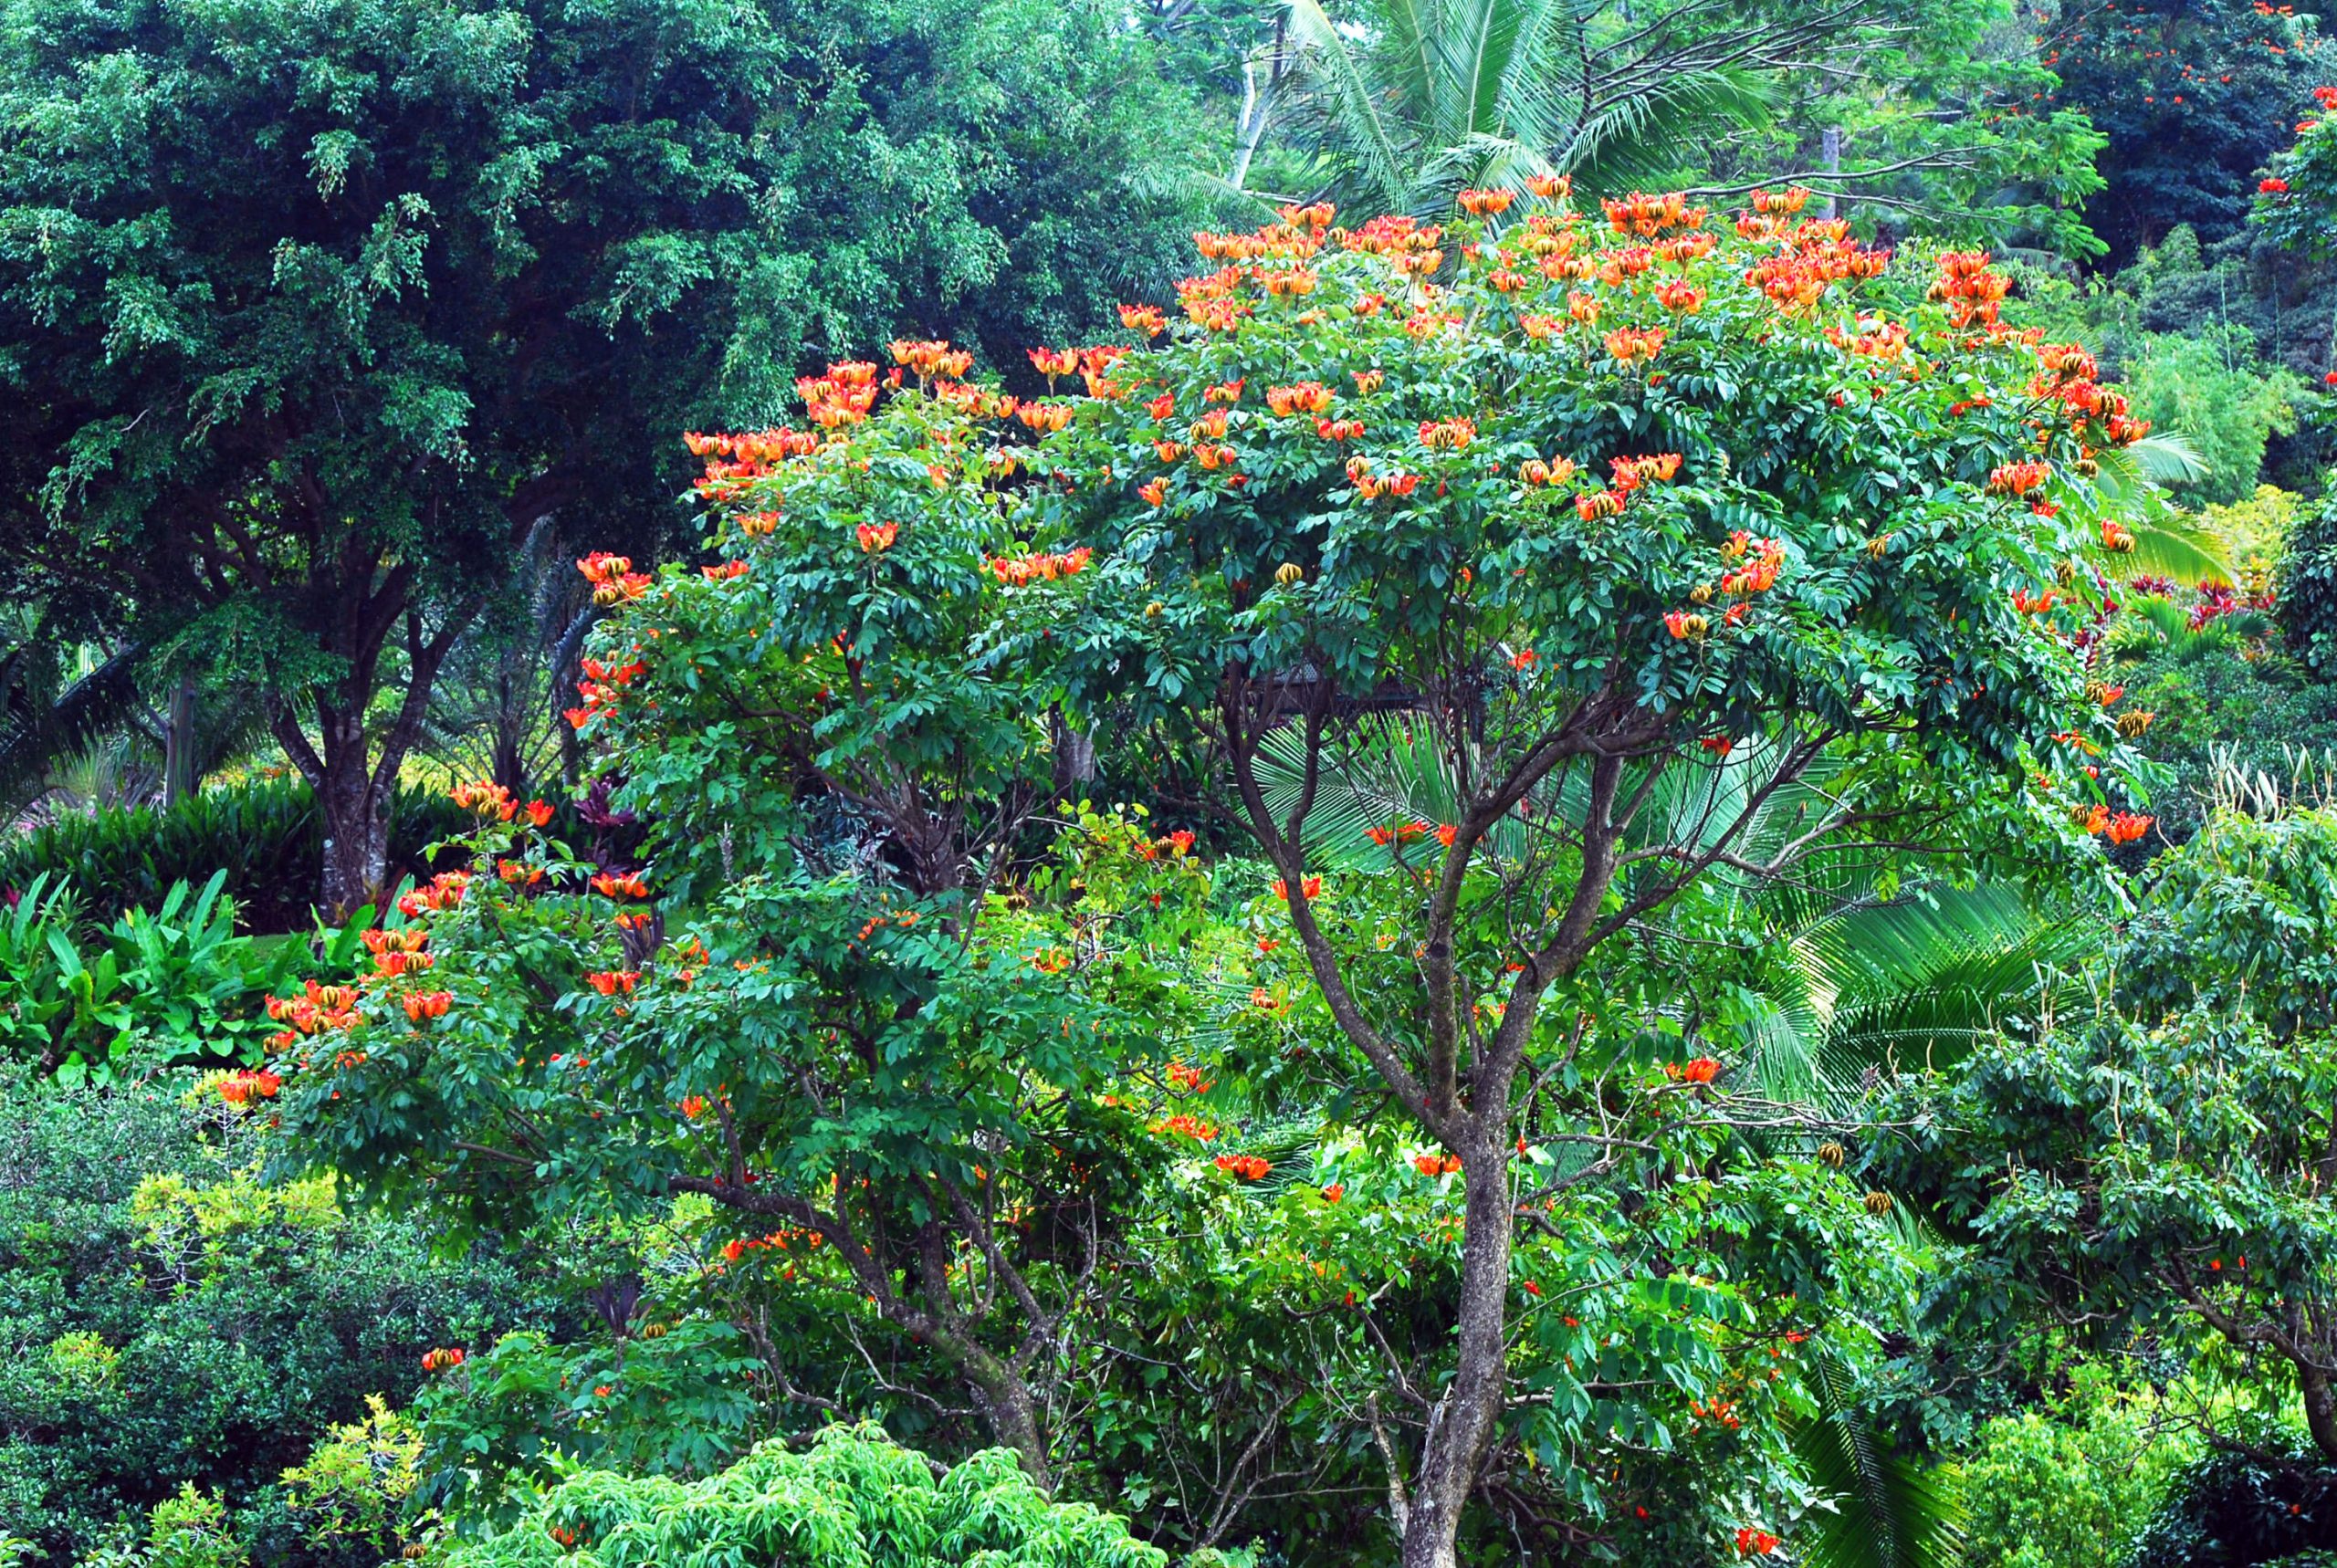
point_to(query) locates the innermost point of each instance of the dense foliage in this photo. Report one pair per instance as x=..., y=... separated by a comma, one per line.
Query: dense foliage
x=1565, y=876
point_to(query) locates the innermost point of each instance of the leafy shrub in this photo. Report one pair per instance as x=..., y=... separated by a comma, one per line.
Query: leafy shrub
x=2067, y=1486
x=169, y=1320
x=175, y=984
x=2309, y=588
x=855, y=1497
x=2223, y=400
x=2232, y=1510
x=268, y=837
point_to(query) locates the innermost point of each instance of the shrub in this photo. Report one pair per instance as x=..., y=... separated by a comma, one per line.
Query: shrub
x=2309, y=588
x=173, y=984
x=855, y=1497
x=267, y=837
x=2067, y=1486
x=2231, y=1510
x=173, y=1322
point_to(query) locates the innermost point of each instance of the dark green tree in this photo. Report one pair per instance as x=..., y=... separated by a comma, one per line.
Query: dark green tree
x=312, y=317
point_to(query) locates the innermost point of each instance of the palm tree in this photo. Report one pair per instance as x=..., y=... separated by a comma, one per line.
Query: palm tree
x=1428, y=96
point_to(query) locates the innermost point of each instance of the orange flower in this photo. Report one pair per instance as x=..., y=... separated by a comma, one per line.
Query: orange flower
x=620, y=885
x=877, y=537
x=1309, y=889
x=610, y=982
x=420, y=1005
x=1143, y=318
x=1486, y=203
x=484, y=799
x=1549, y=187
x=539, y=812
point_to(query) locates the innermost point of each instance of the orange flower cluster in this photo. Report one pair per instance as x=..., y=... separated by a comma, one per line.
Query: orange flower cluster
x=780, y=1240
x=1970, y=290
x=1275, y=242
x=400, y=961
x=1143, y=318
x=1015, y=571
x=727, y=571
x=1872, y=338
x=1630, y=473
x=756, y=447
x=2118, y=827
x=1191, y=1127
x=613, y=578
x=1339, y=429
x=845, y=395
x=1557, y=471
x=1701, y=1070
x=1751, y=1543
x=878, y=536
x=2029, y=604
x=1288, y=282
x=1486, y=203
x=1718, y=1409
x=1244, y=1168
x=1189, y=1079
x=1213, y=457
x=612, y=982
x=1302, y=397
x=1681, y=296
x=318, y=1008
x=1436, y=1165
x=1403, y=241
x=1647, y=216
x=1044, y=417
x=1210, y=300
x=621, y=884
x=441, y=1360
x=420, y=1005
x=1450, y=435
x=934, y=357
x=1762, y=560
x=2019, y=478
x=1396, y=832
x=1631, y=345
x=1780, y=204
x=1311, y=888
x=1369, y=382
x=2116, y=538
x=242, y=1088
x=485, y=799
x=1370, y=486
x=442, y=891
x=2065, y=373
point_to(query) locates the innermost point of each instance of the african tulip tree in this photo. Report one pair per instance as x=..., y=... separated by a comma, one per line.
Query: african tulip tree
x=845, y=1001
x=1700, y=549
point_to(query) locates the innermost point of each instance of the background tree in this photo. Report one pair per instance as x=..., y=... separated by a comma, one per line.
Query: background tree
x=1410, y=101
x=314, y=317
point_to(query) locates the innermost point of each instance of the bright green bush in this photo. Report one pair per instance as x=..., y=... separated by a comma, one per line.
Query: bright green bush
x=856, y=1500
x=2070, y=1486
x=167, y=1320
x=175, y=984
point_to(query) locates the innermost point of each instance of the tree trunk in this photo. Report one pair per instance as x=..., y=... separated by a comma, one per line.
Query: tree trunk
x=356, y=813
x=181, y=767
x=1460, y=1428
x=2319, y=1410
x=1005, y=1400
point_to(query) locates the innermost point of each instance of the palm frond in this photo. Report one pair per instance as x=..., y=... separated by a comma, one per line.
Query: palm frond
x=2167, y=458
x=1631, y=141
x=1889, y=1509
x=1540, y=94
x=1359, y=103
